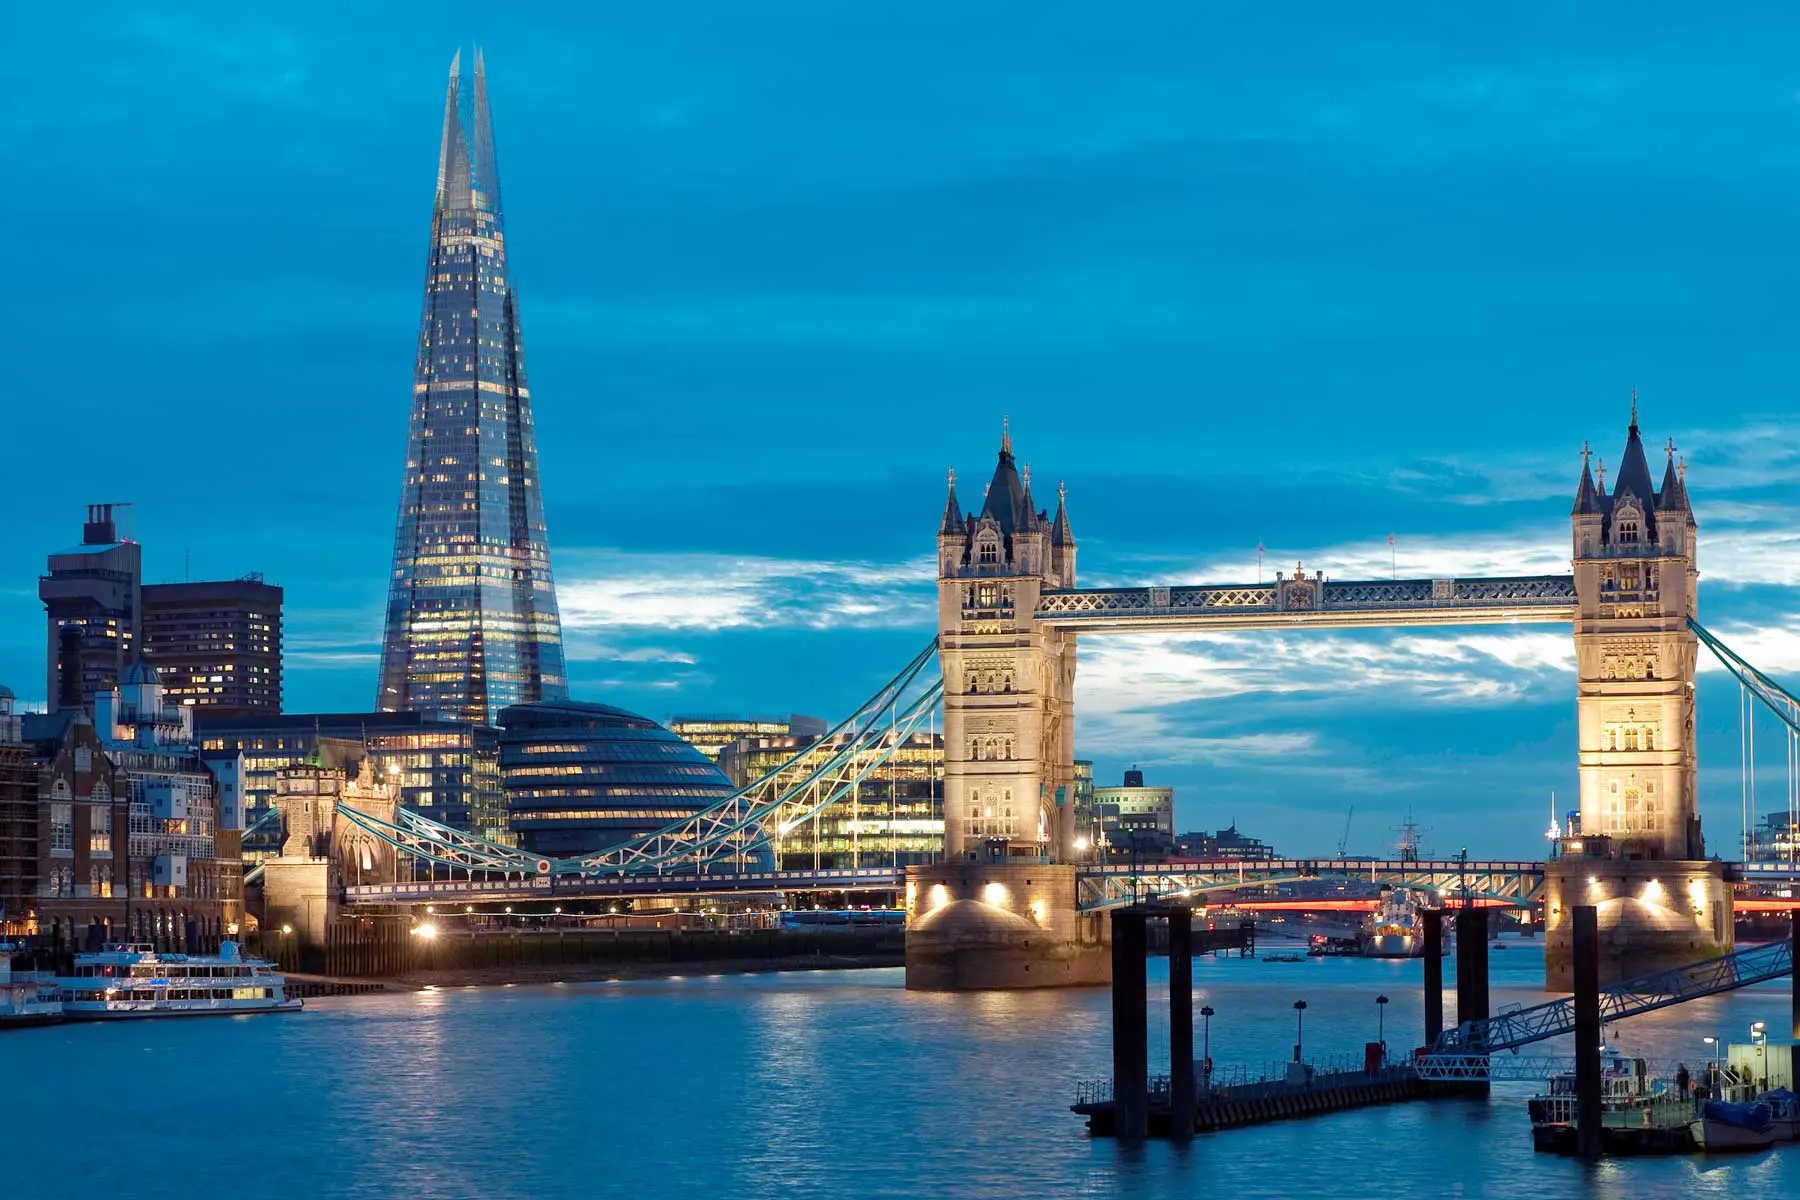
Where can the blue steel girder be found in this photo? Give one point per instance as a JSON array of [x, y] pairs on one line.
[[551, 887], [1286, 603], [1628, 999], [1777, 699]]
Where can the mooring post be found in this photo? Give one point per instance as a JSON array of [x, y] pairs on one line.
[[1794, 976], [1131, 1045], [1181, 1022], [1587, 1030], [1434, 975], [1471, 965]]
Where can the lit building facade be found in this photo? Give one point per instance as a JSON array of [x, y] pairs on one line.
[[582, 777], [18, 824], [92, 600], [894, 817], [448, 771], [711, 734], [216, 644], [1775, 839], [1133, 818], [129, 839], [472, 623]]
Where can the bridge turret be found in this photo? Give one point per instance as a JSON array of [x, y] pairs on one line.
[[1635, 580], [1008, 684]]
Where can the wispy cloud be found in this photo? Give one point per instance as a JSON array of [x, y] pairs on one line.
[[711, 592]]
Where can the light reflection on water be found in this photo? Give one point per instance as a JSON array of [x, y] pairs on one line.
[[819, 1084]]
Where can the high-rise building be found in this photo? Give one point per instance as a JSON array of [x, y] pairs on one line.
[[711, 734], [217, 644], [472, 622], [18, 823], [91, 597]]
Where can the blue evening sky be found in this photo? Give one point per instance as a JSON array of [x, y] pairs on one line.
[[1304, 274]]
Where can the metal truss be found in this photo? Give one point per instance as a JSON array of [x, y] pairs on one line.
[[1774, 697], [1648, 993], [1316, 601], [732, 835], [1112, 885]]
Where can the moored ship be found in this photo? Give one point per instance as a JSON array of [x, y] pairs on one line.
[[1395, 929], [136, 981], [26, 998]]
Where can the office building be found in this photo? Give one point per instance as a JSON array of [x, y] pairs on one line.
[[91, 594], [472, 622], [1774, 840], [448, 771], [711, 734], [892, 817], [582, 777], [1133, 818], [18, 823], [1226, 843], [217, 644]]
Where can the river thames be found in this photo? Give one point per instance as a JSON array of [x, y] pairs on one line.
[[827, 1084]]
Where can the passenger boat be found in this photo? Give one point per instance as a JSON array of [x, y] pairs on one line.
[[27, 998], [1638, 1114], [136, 981]]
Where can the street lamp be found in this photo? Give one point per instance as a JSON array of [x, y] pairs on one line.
[[1381, 1003], [1299, 1025], [1206, 1016], [1760, 1039], [1714, 1043]]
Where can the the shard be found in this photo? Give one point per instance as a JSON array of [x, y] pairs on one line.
[[472, 622]]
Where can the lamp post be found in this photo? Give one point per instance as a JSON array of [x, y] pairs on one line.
[[1381, 1003], [1760, 1039], [1714, 1043], [1299, 1026], [1206, 1016]]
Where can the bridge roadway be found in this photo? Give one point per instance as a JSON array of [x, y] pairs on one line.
[[1100, 886]]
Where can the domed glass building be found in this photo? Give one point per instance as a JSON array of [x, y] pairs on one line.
[[582, 777]]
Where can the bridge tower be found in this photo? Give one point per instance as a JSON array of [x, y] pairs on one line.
[[1000, 910], [1638, 854]]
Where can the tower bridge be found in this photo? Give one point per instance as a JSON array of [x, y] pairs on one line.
[[1010, 905]]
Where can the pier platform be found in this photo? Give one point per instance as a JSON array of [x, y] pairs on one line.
[[1260, 1101]]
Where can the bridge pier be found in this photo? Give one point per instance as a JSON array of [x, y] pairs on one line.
[[1654, 915], [973, 926]]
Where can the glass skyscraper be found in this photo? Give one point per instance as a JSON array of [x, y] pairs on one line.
[[472, 625]]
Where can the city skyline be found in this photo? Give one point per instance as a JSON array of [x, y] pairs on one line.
[[730, 332]]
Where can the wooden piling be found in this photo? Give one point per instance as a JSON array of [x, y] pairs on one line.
[[1131, 1045], [1181, 1022], [1587, 1029], [1434, 974]]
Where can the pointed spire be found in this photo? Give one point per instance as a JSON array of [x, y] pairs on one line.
[[1673, 495], [1006, 435], [1634, 423], [1634, 466], [486, 168], [1060, 533], [1600, 470], [953, 525], [1587, 500], [1005, 501], [453, 154]]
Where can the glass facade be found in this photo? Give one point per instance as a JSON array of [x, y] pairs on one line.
[[712, 734], [894, 817], [582, 777], [448, 771], [472, 622]]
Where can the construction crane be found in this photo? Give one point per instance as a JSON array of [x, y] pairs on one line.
[[1345, 840]]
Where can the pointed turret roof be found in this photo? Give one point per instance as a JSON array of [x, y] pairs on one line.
[[953, 518], [1060, 533], [1634, 467], [1006, 502], [1587, 500], [1673, 495]]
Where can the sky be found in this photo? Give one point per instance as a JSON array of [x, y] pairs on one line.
[[1299, 275]]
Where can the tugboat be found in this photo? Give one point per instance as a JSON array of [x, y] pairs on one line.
[[136, 981]]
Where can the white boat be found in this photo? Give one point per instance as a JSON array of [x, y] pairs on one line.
[[1734, 1126], [136, 981], [27, 998], [1396, 929]]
